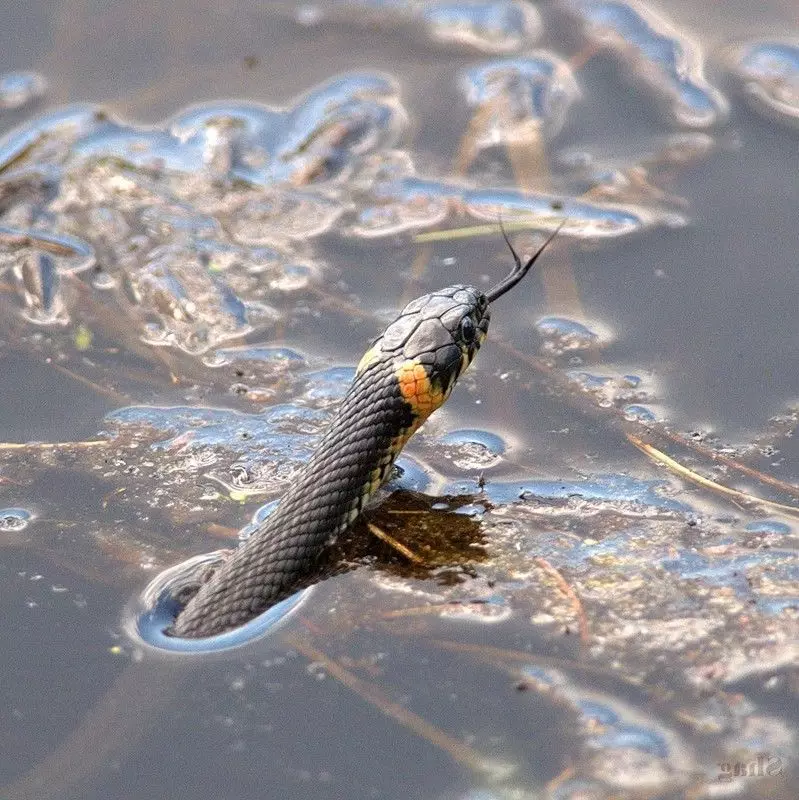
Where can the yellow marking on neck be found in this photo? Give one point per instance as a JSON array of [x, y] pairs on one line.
[[422, 394], [371, 355]]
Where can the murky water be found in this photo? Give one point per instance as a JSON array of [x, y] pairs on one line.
[[207, 211]]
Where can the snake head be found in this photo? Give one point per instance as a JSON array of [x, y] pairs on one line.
[[431, 343]]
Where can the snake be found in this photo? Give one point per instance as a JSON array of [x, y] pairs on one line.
[[407, 373]]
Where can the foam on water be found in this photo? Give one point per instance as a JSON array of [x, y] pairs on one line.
[[17, 89], [520, 96], [493, 26], [768, 74], [655, 55]]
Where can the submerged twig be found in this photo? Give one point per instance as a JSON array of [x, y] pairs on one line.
[[106, 735], [419, 266], [735, 464], [498, 654], [392, 542], [694, 477], [456, 749], [488, 229], [54, 445], [95, 387], [571, 594], [581, 401]]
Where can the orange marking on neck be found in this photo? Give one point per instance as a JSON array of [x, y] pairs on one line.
[[418, 390]]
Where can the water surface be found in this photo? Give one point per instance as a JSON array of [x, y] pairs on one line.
[[207, 212]]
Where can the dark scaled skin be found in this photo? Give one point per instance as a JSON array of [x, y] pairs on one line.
[[438, 334]]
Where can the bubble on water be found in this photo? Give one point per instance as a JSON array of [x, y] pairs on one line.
[[17, 89], [562, 335], [519, 97], [667, 62], [638, 413], [610, 390], [472, 450], [768, 73], [13, 520]]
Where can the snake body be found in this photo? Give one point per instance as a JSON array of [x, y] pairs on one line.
[[405, 375]]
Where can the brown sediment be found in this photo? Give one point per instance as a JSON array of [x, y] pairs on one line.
[[404, 551]]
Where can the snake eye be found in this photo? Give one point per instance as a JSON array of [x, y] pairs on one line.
[[468, 330]]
